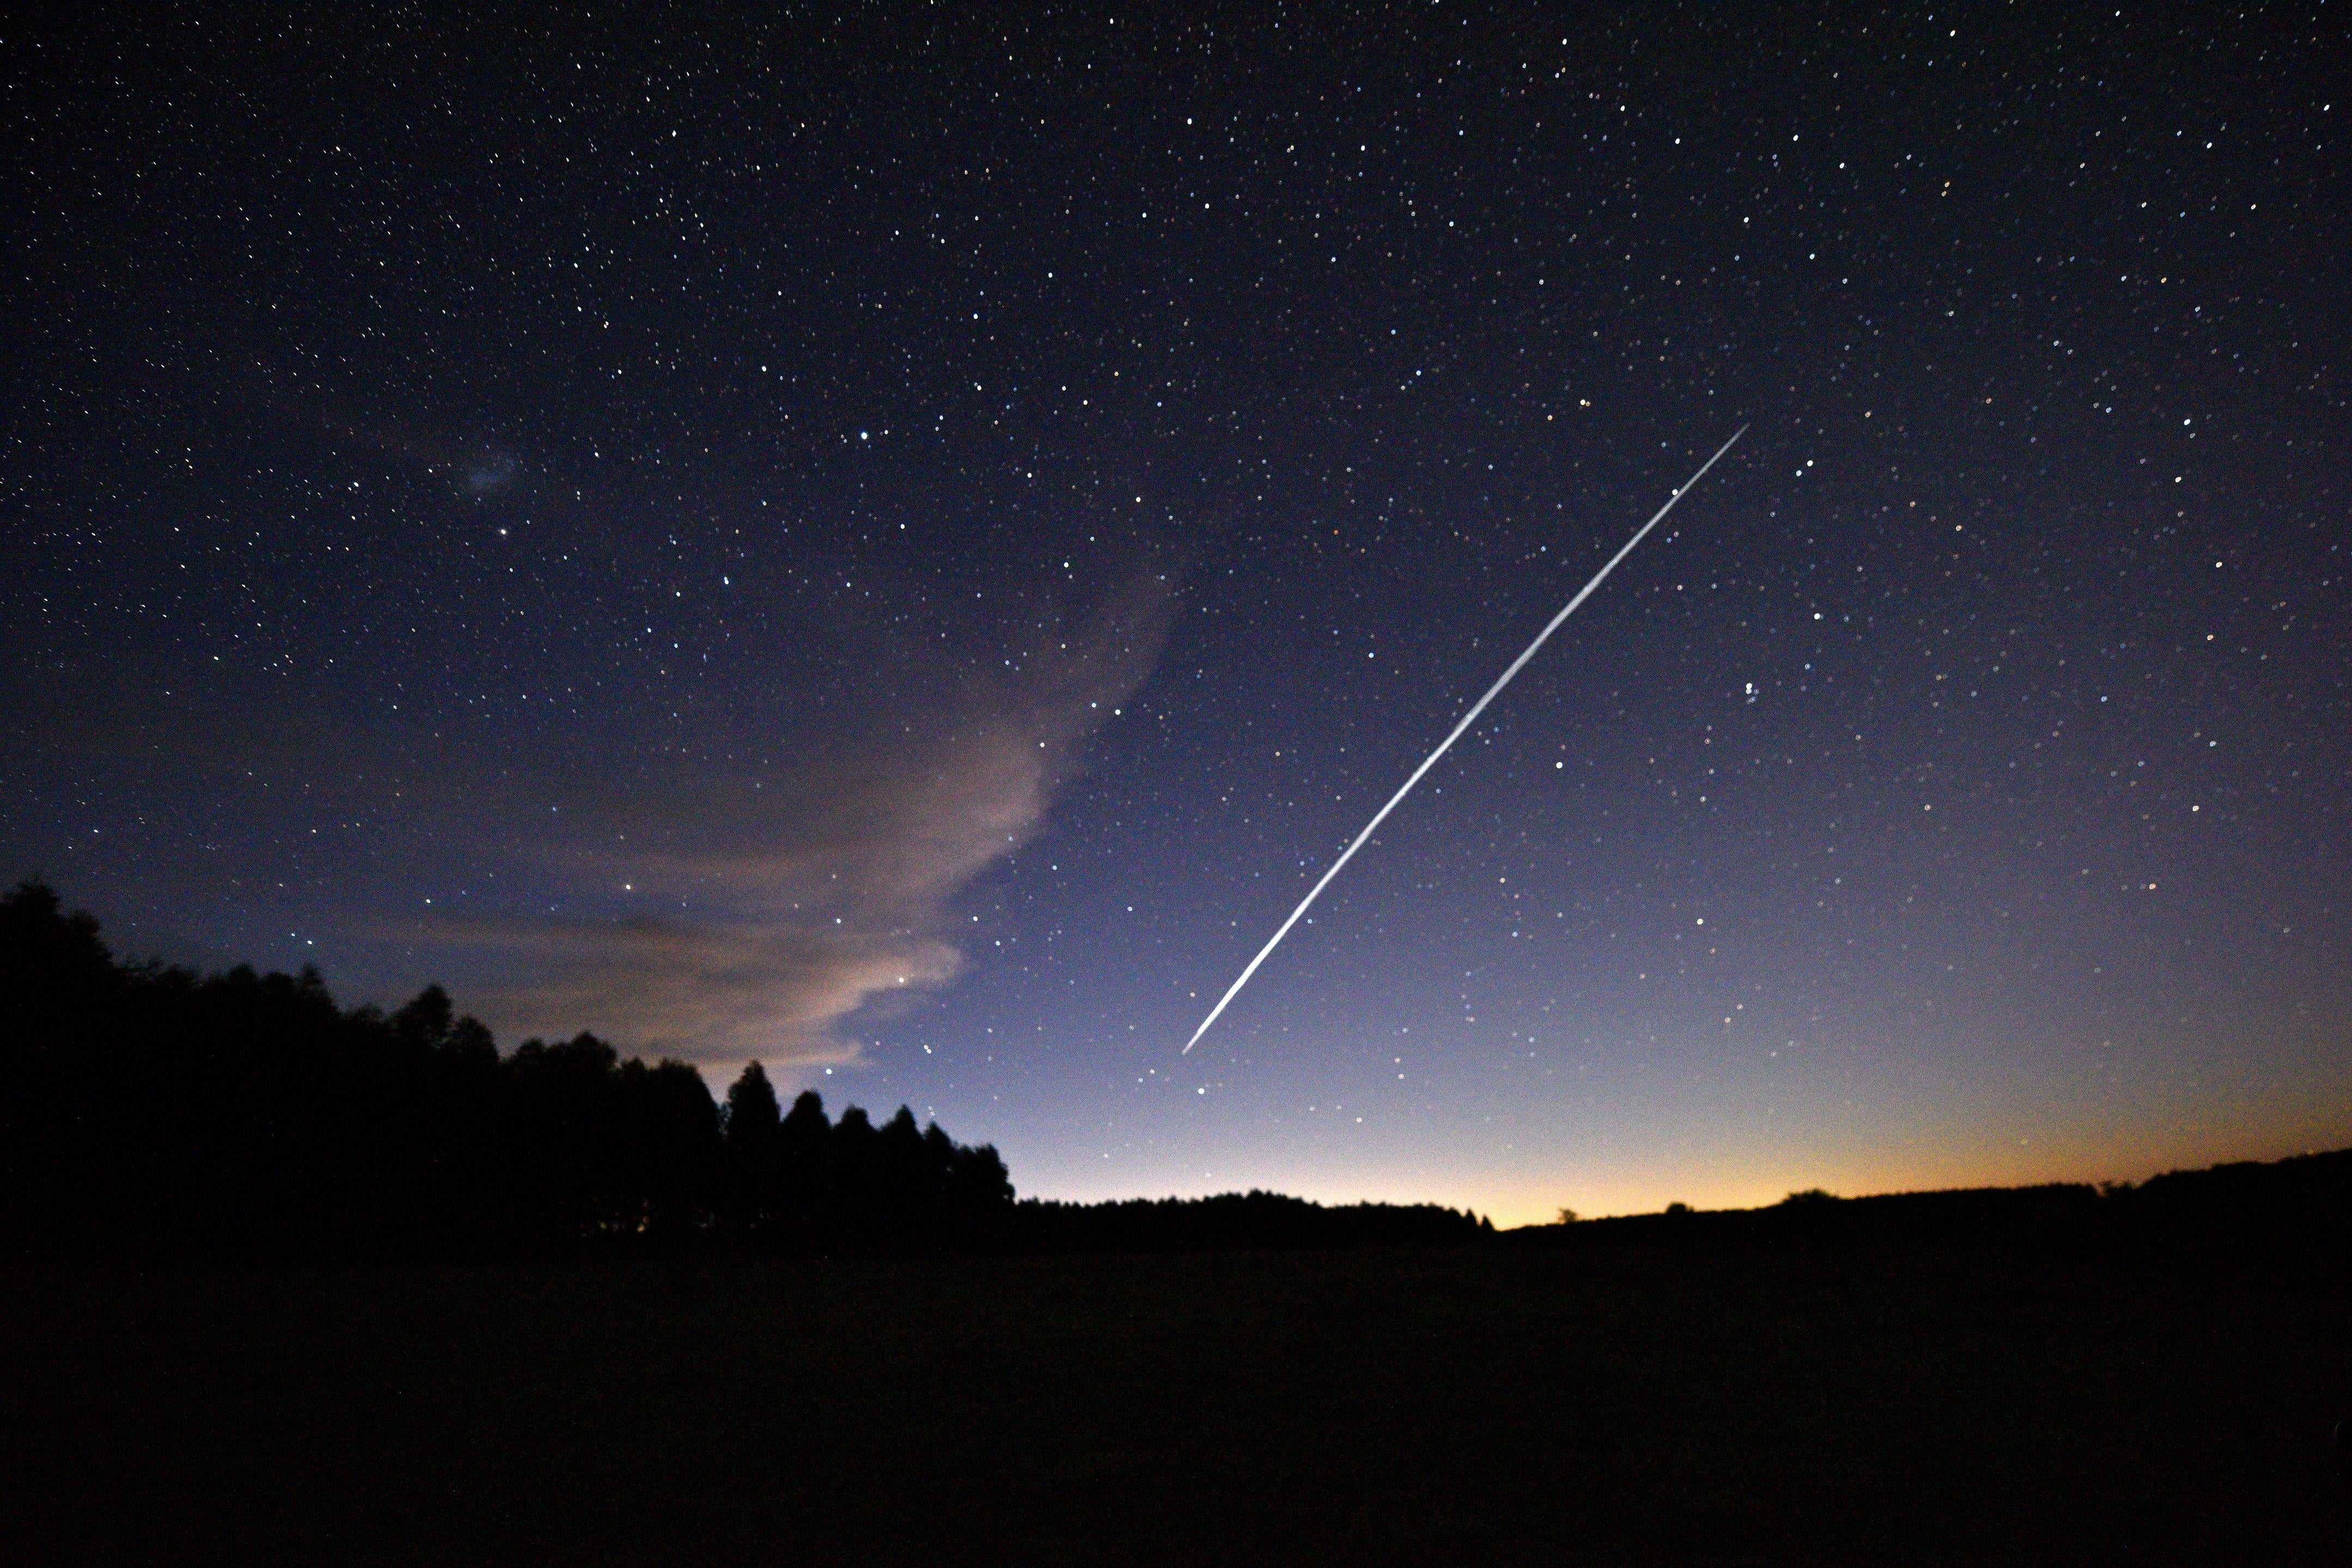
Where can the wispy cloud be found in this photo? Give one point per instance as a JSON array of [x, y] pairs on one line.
[[827, 888], [708, 991]]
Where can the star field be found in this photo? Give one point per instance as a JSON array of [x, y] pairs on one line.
[[899, 545]]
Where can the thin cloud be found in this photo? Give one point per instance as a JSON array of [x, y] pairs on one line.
[[707, 993], [828, 891]]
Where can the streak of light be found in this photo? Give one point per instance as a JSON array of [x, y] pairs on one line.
[[1443, 746]]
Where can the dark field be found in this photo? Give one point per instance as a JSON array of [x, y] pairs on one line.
[[1476, 1404]]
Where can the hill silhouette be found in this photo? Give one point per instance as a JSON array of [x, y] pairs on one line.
[[2289, 1220]]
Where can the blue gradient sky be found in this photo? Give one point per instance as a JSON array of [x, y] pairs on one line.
[[900, 548]]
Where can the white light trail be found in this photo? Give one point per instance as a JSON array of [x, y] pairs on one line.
[[1443, 746]]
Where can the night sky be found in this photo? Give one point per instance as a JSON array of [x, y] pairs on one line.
[[898, 543]]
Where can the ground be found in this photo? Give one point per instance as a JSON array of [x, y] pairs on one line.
[[1476, 1405]]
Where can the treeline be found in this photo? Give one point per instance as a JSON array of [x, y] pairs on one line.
[[148, 1110], [1236, 1219]]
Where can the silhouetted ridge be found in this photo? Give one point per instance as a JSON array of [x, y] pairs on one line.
[[2287, 1219]]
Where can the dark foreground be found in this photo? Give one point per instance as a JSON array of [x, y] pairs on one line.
[[1476, 1404]]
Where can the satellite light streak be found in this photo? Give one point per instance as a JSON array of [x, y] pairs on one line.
[[1446, 744]]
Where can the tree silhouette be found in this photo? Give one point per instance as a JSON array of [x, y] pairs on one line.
[[754, 1175], [804, 1161], [751, 1114], [977, 1182], [899, 1178], [425, 1021]]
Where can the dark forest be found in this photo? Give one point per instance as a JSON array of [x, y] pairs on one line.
[[152, 1112]]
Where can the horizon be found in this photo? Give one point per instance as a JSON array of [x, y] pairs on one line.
[[1748, 1194]]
